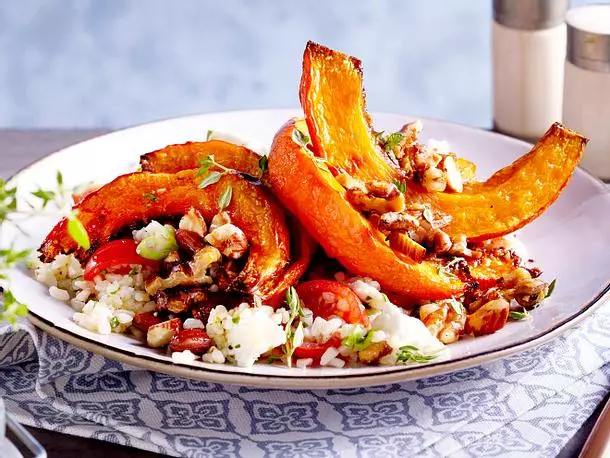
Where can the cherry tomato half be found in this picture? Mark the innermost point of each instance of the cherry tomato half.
(326, 298)
(117, 257)
(315, 350)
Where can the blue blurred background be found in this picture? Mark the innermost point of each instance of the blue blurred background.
(113, 63)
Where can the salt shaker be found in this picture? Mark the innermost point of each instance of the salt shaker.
(587, 83)
(529, 42)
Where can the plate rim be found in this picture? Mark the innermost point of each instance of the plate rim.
(399, 374)
(294, 382)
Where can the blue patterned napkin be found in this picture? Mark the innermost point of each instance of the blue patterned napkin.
(528, 404)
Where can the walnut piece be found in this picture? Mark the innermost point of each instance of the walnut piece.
(374, 352)
(444, 319)
(229, 239)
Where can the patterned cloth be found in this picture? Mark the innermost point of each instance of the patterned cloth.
(530, 404)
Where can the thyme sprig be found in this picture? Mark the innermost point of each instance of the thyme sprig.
(225, 198)
(359, 340)
(37, 203)
(211, 177)
(293, 338)
(516, 315)
(412, 354)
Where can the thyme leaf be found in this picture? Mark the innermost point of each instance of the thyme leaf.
(551, 288)
(401, 185)
(300, 138)
(225, 198)
(518, 316)
(263, 165)
(410, 353)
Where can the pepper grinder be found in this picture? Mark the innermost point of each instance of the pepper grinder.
(529, 42)
(587, 83)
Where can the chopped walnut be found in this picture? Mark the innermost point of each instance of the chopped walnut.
(190, 242)
(484, 297)
(530, 293)
(460, 248)
(454, 179)
(173, 257)
(490, 317)
(194, 222)
(220, 219)
(445, 319)
(374, 352)
(181, 300)
(441, 242)
(192, 273)
(425, 159)
(229, 239)
(382, 189)
(411, 131)
(434, 180)
(395, 221)
(366, 202)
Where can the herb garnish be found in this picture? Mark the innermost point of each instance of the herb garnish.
(273, 358)
(211, 177)
(321, 163)
(11, 308)
(359, 340)
(456, 306)
(428, 215)
(391, 141)
(518, 316)
(225, 198)
(401, 186)
(445, 270)
(300, 138)
(551, 288)
(150, 196)
(263, 165)
(293, 339)
(77, 231)
(410, 353)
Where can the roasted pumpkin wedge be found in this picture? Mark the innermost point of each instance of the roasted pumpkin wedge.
(333, 101)
(126, 201)
(315, 197)
(332, 97)
(513, 196)
(174, 158)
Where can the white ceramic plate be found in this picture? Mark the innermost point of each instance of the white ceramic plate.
(569, 242)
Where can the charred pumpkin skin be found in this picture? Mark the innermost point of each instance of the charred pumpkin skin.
(126, 201)
(303, 247)
(174, 158)
(318, 201)
(332, 96)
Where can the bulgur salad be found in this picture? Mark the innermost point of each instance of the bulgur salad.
(332, 250)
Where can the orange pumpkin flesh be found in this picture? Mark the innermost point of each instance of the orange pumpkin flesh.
(318, 201)
(332, 96)
(174, 158)
(126, 201)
